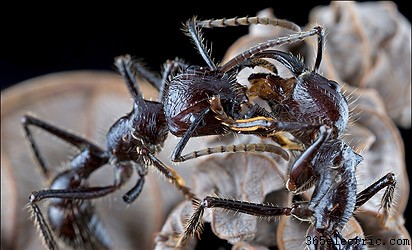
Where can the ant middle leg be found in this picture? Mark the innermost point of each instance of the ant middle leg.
(171, 175)
(66, 136)
(177, 151)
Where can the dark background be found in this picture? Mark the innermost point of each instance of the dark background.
(37, 40)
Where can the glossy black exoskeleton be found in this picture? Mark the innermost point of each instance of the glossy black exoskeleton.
(186, 91)
(312, 109)
(131, 142)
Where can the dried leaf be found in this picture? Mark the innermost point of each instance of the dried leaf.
(167, 238)
(368, 46)
(242, 176)
(292, 233)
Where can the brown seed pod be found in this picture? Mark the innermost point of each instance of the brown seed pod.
(246, 177)
(384, 153)
(254, 177)
(86, 103)
(168, 236)
(291, 233)
(367, 47)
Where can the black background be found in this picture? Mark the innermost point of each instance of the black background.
(37, 40)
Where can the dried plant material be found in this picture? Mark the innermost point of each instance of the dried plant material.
(248, 246)
(292, 233)
(246, 177)
(168, 237)
(368, 46)
(86, 103)
(382, 149)
(394, 235)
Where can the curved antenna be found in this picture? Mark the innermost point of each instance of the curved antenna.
(271, 43)
(239, 21)
(192, 29)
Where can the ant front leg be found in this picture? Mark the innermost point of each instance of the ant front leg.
(177, 152)
(73, 139)
(172, 176)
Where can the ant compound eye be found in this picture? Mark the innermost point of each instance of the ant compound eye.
(334, 85)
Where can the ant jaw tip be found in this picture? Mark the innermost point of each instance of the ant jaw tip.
(127, 199)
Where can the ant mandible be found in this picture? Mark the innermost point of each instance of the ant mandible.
(131, 143)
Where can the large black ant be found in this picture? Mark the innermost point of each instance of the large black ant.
(186, 90)
(131, 142)
(313, 109)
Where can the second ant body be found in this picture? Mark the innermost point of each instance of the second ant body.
(132, 142)
(313, 109)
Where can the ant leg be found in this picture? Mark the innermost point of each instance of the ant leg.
(194, 224)
(135, 191)
(66, 136)
(389, 182)
(125, 68)
(83, 193)
(193, 31)
(301, 171)
(177, 152)
(133, 67)
(45, 231)
(171, 175)
(128, 68)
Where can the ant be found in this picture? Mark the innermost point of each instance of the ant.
(312, 109)
(131, 142)
(186, 91)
